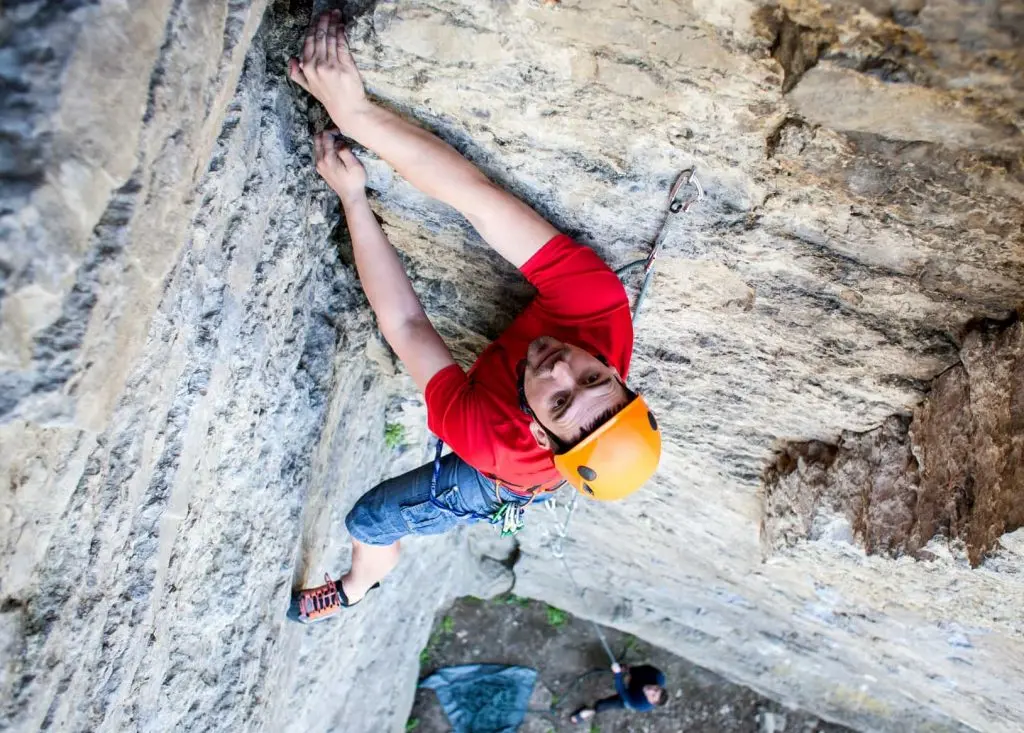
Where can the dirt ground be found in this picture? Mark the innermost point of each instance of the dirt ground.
(561, 647)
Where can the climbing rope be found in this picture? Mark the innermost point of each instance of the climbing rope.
(597, 629)
(558, 551)
(685, 192)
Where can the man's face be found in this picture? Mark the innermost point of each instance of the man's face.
(652, 693)
(568, 389)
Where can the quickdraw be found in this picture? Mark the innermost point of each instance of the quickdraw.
(510, 516)
(685, 192)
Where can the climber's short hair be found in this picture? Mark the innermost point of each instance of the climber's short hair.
(601, 420)
(662, 697)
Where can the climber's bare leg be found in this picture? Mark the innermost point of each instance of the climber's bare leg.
(327, 71)
(370, 563)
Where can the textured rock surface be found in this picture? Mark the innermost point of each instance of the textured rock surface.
(955, 470)
(193, 393)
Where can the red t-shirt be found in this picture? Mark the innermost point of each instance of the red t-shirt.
(580, 301)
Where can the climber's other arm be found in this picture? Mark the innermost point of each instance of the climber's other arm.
(400, 315)
(327, 71)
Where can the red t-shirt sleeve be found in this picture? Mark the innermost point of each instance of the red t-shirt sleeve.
(455, 415)
(572, 281)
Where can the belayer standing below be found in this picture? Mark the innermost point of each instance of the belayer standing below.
(545, 402)
(638, 688)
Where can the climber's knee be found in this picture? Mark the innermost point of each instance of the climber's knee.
(373, 522)
(402, 505)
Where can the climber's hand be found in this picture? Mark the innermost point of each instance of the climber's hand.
(616, 668)
(327, 70)
(339, 166)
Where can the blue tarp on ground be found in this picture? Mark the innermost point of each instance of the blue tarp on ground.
(483, 698)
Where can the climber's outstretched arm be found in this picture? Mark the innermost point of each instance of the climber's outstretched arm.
(327, 71)
(400, 315)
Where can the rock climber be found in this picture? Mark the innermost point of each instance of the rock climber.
(639, 688)
(546, 402)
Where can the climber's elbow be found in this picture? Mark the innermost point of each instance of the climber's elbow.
(419, 347)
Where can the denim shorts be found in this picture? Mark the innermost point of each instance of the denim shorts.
(401, 506)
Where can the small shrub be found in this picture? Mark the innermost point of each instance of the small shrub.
(412, 724)
(394, 435)
(557, 617)
(513, 600)
(447, 625)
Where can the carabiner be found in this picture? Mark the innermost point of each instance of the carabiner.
(687, 178)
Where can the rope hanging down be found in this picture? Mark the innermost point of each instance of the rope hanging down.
(597, 629)
(579, 592)
(685, 192)
(558, 551)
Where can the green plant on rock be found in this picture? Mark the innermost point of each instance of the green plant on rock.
(513, 600)
(412, 724)
(443, 629)
(394, 435)
(557, 617)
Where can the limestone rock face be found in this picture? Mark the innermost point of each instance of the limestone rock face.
(193, 393)
(952, 470)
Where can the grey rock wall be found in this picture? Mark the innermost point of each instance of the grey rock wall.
(193, 393)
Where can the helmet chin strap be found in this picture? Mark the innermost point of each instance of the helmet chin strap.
(557, 444)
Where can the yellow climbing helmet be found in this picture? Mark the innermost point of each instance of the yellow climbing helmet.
(617, 458)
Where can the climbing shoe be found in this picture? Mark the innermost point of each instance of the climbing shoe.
(580, 717)
(310, 605)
